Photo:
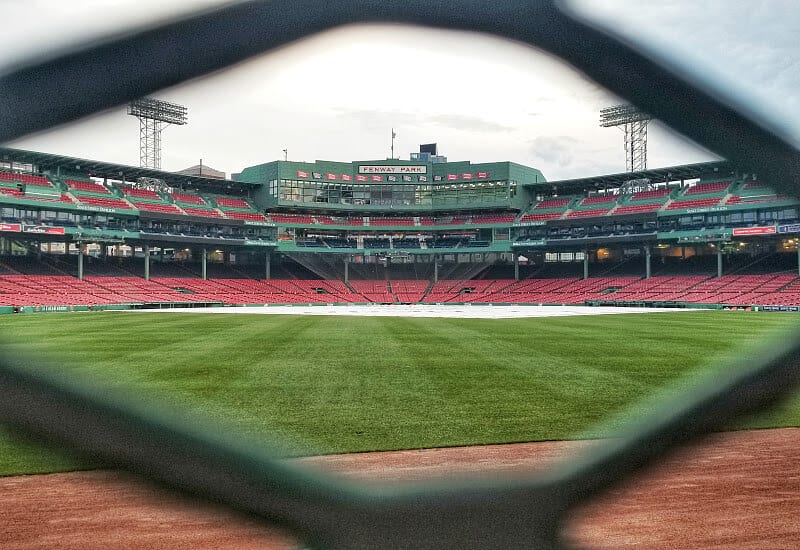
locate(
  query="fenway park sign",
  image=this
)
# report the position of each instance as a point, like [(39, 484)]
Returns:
[(392, 169)]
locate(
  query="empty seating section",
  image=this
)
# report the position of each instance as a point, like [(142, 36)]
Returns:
[(405, 243), (717, 187), (447, 242), (86, 187), (547, 209), (638, 208), (598, 199), (693, 203), (248, 216), (658, 288), (427, 220), (540, 217), (187, 199), (328, 220), (391, 221), (734, 290), (60, 290), (202, 212), (11, 190), (16, 193), (409, 291), (105, 202), (249, 291), (229, 202), (158, 207), (590, 213), (450, 220), (551, 203), (739, 290), (291, 218), (545, 291), (305, 243), (377, 242), (141, 193), (134, 290), (476, 290), (355, 221), (650, 195), (374, 291), (754, 199), (534, 291), (493, 218), (27, 179), (336, 242)]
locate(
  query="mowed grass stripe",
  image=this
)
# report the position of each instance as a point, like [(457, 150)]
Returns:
[(338, 384)]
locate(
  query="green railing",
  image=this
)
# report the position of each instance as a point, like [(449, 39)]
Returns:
[(523, 512)]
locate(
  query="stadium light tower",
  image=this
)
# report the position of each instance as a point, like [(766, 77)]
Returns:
[(154, 115), (634, 124)]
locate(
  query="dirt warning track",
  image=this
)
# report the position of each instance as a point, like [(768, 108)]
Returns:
[(737, 490)]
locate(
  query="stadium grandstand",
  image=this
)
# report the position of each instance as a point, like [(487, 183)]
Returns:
[(80, 234)]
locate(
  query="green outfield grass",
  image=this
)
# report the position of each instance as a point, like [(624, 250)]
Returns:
[(340, 384)]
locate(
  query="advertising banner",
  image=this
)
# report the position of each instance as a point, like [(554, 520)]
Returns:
[(43, 229), (744, 231), (792, 228)]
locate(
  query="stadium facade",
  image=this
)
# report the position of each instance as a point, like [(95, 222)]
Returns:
[(701, 233)]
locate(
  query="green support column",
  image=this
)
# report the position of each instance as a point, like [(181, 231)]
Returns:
[(585, 264), (147, 262), (80, 261), (204, 267), (435, 270), (268, 268), (719, 261), (346, 271), (516, 266), (647, 261)]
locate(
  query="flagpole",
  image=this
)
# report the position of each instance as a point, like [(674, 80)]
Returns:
[(393, 134)]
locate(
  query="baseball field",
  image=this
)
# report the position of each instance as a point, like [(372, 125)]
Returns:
[(320, 384)]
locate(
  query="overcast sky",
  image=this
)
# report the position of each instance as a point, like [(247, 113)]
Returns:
[(532, 110)]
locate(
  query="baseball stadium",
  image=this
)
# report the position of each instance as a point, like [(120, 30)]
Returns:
[(396, 352)]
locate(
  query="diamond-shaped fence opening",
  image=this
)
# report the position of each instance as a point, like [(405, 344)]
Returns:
[(521, 512)]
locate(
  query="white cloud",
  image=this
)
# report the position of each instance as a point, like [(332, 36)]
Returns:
[(336, 95)]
